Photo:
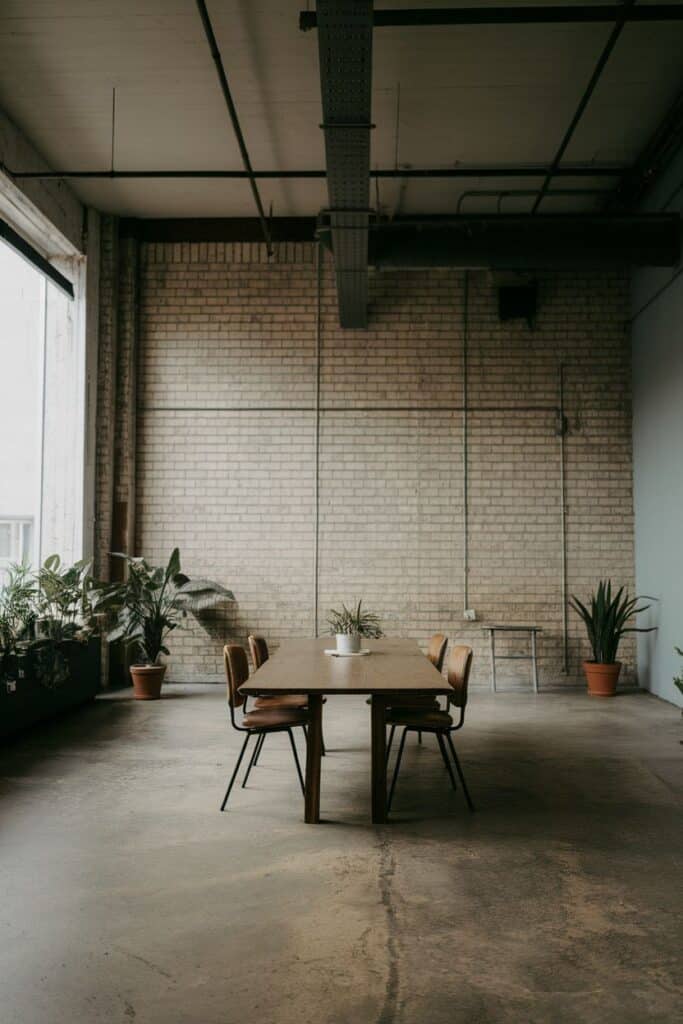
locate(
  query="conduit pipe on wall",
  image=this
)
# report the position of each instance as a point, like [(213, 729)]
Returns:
[(562, 430), (465, 445)]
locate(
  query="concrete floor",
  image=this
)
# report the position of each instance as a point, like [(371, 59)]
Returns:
[(127, 896)]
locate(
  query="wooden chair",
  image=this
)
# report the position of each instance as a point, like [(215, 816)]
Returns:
[(436, 652), (425, 719), (255, 723), (258, 648)]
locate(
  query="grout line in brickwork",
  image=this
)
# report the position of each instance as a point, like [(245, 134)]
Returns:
[(350, 409)]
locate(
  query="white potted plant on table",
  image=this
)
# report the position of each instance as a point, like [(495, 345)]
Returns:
[(349, 625)]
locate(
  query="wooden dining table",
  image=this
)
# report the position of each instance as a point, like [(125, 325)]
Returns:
[(393, 667)]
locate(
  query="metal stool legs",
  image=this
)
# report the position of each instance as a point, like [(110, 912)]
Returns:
[(458, 769), (296, 761), (260, 739), (237, 768), (442, 737)]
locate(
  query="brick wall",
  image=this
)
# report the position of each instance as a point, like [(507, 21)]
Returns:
[(227, 436)]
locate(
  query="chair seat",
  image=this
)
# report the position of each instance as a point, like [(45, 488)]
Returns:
[(419, 718), (287, 700), (274, 719)]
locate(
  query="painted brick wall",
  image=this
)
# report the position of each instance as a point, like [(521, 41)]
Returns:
[(227, 435)]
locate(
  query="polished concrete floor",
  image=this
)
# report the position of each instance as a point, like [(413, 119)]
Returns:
[(126, 896)]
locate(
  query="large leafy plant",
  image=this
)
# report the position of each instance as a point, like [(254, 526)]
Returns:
[(17, 616), (355, 621), (40, 611), (65, 609), (678, 680), (152, 602), (606, 620)]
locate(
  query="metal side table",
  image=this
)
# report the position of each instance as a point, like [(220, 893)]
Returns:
[(532, 631)]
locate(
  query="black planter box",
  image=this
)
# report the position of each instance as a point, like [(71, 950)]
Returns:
[(25, 700)]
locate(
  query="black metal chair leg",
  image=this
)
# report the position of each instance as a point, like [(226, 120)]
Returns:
[(396, 769), (442, 748), (419, 736), (296, 761), (257, 752), (460, 774), (391, 740), (254, 758), (237, 768)]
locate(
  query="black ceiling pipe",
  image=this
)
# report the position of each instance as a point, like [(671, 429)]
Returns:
[(232, 111), (510, 242), (525, 15), (584, 101), (460, 171)]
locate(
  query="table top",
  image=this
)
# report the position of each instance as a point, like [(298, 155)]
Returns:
[(301, 666)]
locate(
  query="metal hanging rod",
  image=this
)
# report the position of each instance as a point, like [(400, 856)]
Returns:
[(628, 6), (462, 171), (232, 111), (525, 15)]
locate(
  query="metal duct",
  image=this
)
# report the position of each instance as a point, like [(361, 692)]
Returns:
[(345, 50), (508, 242)]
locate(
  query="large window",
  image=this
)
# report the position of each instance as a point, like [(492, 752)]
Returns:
[(41, 417)]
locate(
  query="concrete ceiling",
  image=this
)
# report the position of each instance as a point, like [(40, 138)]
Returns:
[(487, 94)]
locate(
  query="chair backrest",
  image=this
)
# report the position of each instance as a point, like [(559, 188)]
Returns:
[(236, 672), (459, 665), (436, 650), (258, 648)]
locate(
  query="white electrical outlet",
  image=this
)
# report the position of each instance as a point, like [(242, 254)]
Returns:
[(469, 615)]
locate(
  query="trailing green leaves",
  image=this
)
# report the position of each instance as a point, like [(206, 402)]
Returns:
[(355, 621), (606, 620)]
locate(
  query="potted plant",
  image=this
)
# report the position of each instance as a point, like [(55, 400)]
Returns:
[(17, 618), (150, 604), (349, 625), (49, 647), (605, 622)]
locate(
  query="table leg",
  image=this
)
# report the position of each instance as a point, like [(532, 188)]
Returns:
[(379, 760), (313, 755), (533, 660)]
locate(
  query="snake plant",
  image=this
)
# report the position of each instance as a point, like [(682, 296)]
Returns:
[(606, 620)]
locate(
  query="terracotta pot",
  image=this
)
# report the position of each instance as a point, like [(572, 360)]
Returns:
[(147, 680), (601, 679)]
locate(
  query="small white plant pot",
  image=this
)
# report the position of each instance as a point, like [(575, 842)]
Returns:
[(348, 643)]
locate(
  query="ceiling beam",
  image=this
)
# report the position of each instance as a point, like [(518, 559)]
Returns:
[(345, 53), (526, 15), (512, 242), (584, 101), (584, 170), (658, 152)]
